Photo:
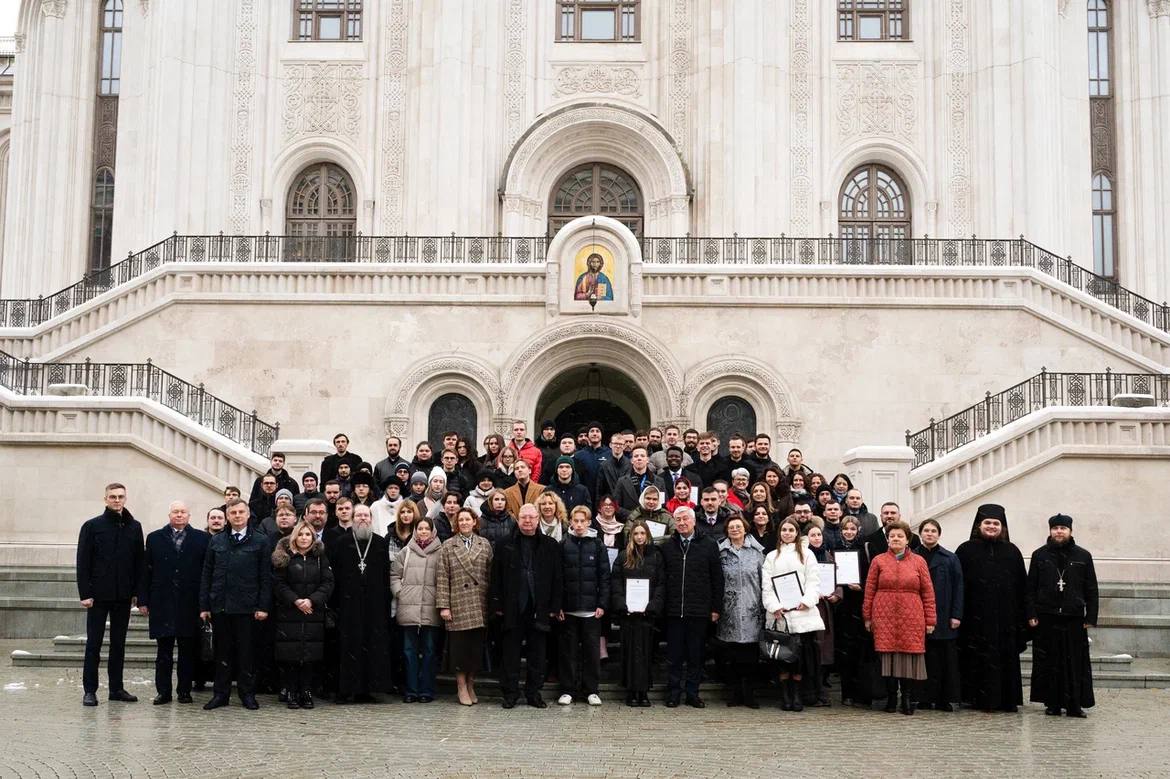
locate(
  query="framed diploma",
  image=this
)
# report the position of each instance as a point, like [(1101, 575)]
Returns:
[(637, 595), (657, 529), (788, 590), (848, 567), (828, 583)]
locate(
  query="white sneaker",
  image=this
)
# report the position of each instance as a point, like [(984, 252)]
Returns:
[(565, 700), (594, 699)]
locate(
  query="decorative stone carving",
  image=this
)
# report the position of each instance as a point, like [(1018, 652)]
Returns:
[(106, 133), (1158, 8), (715, 369), (464, 366), (679, 90), (800, 113), (394, 63), (54, 8), (19, 40), (1101, 134), (515, 68), (396, 424), (788, 431), (1062, 7), (958, 108), (243, 94), (876, 98), (569, 80), (322, 98), (144, 7)]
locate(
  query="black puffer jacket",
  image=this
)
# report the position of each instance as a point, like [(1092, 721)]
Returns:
[(693, 579), (496, 528), (300, 637), (585, 571)]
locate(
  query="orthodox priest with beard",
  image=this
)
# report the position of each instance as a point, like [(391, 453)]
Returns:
[(361, 573), (994, 630)]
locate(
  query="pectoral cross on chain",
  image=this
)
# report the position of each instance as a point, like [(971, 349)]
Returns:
[(362, 569), (1060, 584)]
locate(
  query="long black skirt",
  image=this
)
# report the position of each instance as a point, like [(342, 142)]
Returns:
[(942, 672), (1062, 674), (637, 648), (465, 650)]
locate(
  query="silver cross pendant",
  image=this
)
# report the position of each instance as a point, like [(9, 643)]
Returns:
[(1060, 584), (362, 569)]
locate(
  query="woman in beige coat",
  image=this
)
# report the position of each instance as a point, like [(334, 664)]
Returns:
[(414, 574), (461, 596)]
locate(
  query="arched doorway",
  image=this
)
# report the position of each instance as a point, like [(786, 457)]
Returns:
[(593, 392)]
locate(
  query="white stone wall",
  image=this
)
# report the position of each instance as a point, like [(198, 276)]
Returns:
[(983, 112)]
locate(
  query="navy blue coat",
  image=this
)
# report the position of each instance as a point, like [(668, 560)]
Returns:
[(237, 576), (170, 582), (946, 574), (109, 557), (585, 574)]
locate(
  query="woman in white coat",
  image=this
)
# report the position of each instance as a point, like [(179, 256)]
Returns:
[(802, 678)]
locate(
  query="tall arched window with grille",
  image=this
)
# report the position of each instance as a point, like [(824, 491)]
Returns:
[(874, 215), (101, 218), (1104, 227), (596, 188), (321, 215), (1102, 137)]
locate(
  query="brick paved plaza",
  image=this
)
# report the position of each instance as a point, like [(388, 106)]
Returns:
[(49, 734)]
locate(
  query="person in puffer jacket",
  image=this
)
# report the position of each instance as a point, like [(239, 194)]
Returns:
[(414, 575), (585, 596)]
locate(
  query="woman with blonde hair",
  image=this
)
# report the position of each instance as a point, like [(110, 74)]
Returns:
[(801, 678), (401, 530), (302, 584), (554, 519), (461, 593)]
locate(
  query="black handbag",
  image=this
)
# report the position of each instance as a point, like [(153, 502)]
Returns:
[(779, 646), (206, 642)]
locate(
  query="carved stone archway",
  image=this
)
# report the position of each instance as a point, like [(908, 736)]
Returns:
[(755, 382), (408, 406)]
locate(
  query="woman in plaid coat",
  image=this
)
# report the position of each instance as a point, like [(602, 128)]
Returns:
[(464, 575)]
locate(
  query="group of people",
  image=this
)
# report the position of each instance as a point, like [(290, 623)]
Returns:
[(365, 579)]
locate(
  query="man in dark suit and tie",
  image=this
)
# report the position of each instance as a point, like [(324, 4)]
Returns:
[(169, 596)]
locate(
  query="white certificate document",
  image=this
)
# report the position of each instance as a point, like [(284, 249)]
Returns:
[(848, 567), (788, 590), (612, 556), (657, 529), (828, 583), (637, 595)]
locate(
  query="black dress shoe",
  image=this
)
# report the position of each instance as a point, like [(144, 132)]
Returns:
[(216, 702), (944, 707), (632, 700), (644, 701), (123, 696), (1052, 711), (696, 702), (249, 702), (537, 702), (159, 700), (185, 697), (425, 699), (89, 699), (293, 703), (283, 697), (409, 698), (306, 699), (1078, 713), (672, 703), (509, 703)]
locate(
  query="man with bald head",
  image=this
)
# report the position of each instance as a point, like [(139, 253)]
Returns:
[(169, 596)]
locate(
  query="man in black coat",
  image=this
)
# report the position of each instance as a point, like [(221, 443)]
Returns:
[(631, 484), (386, 467), (1062, 604), (169, 596), (525, 593), (566, 486), (693, 578), (343, 455), (711, 517), (584, 599), (875, 543), (612, 469), (235, 593), (109, 568), (708, 467), (263, 505), (284, 479)]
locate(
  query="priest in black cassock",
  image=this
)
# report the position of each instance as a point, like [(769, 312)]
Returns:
[(994, 630), (361, 575)]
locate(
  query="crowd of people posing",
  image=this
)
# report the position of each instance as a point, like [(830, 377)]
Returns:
[(367, 579)]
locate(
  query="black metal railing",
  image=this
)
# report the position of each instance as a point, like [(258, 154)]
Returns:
[(944, 252), (142, 380), (1035, 393)]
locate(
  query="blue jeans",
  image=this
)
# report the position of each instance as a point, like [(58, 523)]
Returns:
[(418, 643)]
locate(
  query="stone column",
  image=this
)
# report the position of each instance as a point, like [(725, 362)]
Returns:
[(882, 473), (1152, 276), (302, 454)]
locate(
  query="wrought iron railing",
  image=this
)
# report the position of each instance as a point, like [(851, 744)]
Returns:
[(142, 380), (957, 252), (947, 252), (277, 248), (1035, 393)]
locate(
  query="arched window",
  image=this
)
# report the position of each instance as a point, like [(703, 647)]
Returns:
[(873, 215), (1099, 27), (1104, 234), (596, 188), (321, 215), (451, 412), (102, 218), (729, 415), (110, 75)]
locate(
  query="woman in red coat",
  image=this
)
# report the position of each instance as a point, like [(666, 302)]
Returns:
[(899, 610)]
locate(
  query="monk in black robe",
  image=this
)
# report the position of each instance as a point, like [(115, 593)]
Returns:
[(1062, 605), (994, 630), (361, 575)]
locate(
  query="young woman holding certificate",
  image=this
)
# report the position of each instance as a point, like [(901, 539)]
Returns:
[(639, 563), (790, 589), (899, 609)]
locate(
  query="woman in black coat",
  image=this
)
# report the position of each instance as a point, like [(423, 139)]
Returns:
[(852, 646), (302, 582), (639, 560), (941, 687)]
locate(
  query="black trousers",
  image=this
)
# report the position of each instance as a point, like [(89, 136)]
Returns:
[(118, 613), (527, 640), (686, 638), (234, 643), (580, 655), (164, 663), (297, 677)]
